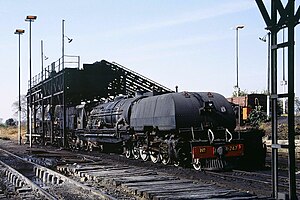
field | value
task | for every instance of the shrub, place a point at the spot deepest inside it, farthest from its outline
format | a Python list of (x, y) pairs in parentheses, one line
[(10, 122), (256, 117)]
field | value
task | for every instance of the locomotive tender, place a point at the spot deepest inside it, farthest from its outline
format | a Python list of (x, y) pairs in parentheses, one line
[(174, 128)]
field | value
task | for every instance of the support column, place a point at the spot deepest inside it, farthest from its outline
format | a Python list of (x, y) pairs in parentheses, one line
[(291, 98)]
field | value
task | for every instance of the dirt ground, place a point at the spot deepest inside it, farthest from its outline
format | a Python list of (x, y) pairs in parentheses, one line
[(11, 132)]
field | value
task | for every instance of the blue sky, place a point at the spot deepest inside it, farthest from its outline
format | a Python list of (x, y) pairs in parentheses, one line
[(189, 43)]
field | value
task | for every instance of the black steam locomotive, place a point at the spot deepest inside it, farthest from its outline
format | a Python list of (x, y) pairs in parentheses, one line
[(175, 128)]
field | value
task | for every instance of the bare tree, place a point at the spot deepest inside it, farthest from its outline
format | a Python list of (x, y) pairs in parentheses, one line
[(297, 105), (241, 93), (10, 122), (15, 107)]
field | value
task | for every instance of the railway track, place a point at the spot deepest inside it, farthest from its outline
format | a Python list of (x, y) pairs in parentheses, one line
[(118, 179), (28, 180), (123, 178), (267, 179), (146, 183), (257, 179), (282, 161)]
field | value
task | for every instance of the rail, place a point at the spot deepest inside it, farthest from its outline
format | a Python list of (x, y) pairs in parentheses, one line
[(19, 177), (48, 178)]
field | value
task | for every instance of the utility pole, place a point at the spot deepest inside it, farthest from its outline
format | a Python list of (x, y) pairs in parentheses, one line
[(30, 19), (19, 32)]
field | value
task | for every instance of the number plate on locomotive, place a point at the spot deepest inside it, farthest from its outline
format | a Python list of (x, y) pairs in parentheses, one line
[(203, 152), (234, 150)]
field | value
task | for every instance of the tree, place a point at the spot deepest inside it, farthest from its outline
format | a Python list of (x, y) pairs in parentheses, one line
[(297, 105), (241, 93), (261, 92), (15, 107), (1, 122), (10, 122), (256, 117)]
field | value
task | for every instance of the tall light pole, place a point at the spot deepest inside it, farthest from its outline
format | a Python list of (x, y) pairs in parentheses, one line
[(237, 71), (63, 67), (237, 55), (30, 18), (63, 43), (42, 59), (19, 32), (264, 39)]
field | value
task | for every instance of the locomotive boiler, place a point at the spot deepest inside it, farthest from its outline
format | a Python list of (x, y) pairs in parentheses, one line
[(175, 128)]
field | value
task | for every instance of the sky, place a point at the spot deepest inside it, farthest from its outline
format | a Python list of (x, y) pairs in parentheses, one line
[(186, 43)]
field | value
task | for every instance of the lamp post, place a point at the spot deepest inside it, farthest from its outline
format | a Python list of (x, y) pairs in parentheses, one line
[(63, 43), (30, 18), (237, 71), (264, 39), (63, 67), (237, 56), (19, 32), (42, 60)]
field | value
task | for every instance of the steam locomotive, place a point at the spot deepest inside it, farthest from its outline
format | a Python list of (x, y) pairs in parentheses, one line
[(174, 128)]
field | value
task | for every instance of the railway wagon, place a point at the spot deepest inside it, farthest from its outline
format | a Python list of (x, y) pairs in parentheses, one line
[(175, 128), (249, 102)]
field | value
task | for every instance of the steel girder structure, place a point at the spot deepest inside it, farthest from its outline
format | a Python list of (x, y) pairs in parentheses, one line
[(44, 97), (282, 17)]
